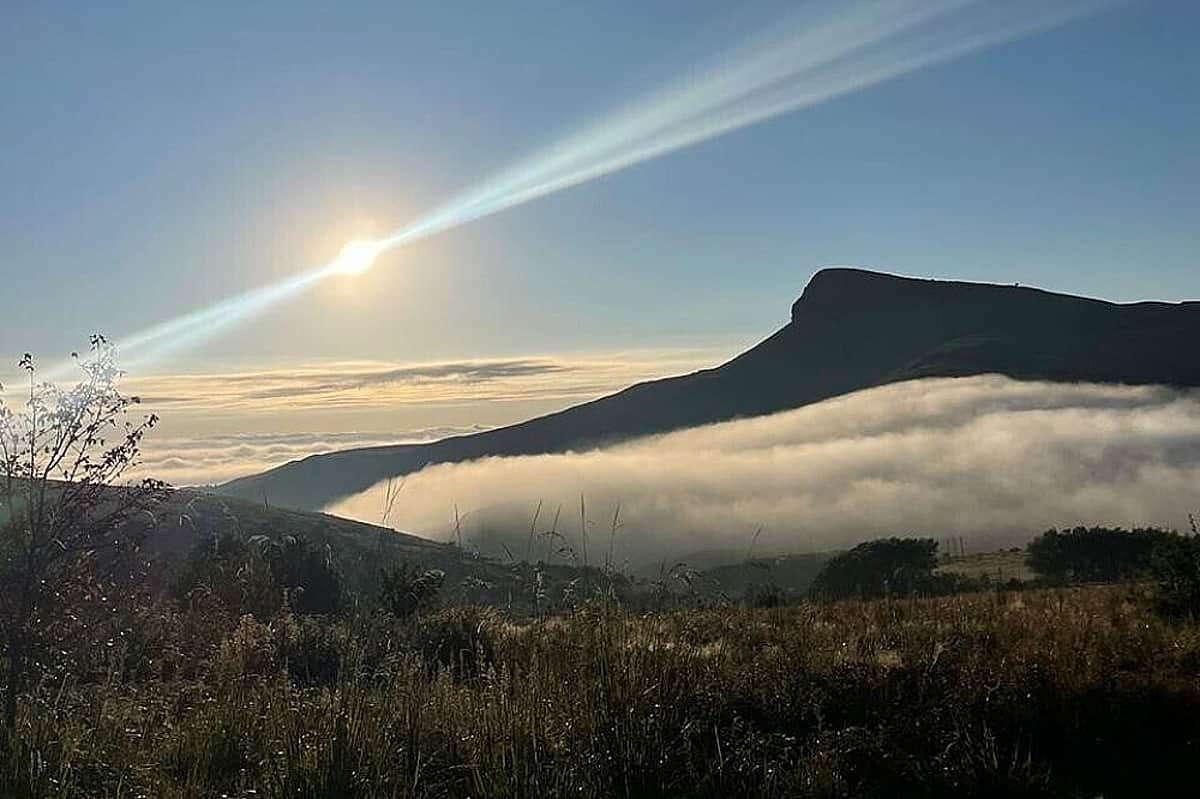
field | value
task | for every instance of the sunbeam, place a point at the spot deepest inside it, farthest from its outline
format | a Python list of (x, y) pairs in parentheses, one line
[(828, 50)]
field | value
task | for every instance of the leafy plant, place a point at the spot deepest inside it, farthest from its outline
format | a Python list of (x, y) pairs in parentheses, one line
[(1175, 569), (1097, 554), (406, 589), (884, 567)]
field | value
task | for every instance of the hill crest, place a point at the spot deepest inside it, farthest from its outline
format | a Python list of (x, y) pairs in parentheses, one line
[(850, 329)]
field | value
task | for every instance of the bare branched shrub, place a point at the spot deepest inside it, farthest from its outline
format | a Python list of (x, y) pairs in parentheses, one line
[(65, 535)]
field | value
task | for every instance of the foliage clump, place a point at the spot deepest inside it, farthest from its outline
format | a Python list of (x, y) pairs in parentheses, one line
[(884, 567), (260, 575), (460, 640), (406, 589), (1097, 554), (1175, 568)]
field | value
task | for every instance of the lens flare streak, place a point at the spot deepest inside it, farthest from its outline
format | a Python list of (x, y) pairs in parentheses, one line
[(829, 50)]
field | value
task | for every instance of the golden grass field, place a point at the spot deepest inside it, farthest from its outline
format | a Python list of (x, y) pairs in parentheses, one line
[(1066, 692)]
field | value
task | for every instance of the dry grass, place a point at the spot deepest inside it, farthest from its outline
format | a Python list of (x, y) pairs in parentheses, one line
[(998, 567), (1041, 693)]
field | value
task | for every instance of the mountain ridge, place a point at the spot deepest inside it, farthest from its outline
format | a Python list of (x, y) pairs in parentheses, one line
[(850, 329)]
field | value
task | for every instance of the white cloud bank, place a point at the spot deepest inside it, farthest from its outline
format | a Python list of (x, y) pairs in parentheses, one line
[(988, 458)]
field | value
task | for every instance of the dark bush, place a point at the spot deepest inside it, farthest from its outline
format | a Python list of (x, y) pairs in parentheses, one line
[(461, 640), (307, 574), (1175, 568), (771, 596), (259, 575), (1096, 554), (885, 567), (222, 570), (406, 589), (312, 652)]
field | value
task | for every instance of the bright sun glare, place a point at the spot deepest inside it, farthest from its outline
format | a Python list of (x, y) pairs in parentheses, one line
[(356, 257)]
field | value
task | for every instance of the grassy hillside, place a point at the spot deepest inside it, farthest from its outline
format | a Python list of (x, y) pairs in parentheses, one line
[(783, 576), (359, 553), (186, 514), (1005, 566)]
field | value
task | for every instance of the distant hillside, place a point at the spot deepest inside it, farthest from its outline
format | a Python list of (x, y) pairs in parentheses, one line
[(359, 550), (792, 575), (851, 329), (186, 514)]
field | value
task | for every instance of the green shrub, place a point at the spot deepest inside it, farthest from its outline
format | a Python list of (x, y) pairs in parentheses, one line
[(406, 589), (885, 567), (224, 571), (460, 640), (770, 596), (312, 651), (1175, 568), (308, 575), (261, 575), (1096, 554)]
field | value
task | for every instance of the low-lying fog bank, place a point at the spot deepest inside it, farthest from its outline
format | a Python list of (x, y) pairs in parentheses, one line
[(989, 459)]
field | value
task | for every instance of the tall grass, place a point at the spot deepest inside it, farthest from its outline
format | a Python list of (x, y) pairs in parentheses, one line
[(1050, 693)]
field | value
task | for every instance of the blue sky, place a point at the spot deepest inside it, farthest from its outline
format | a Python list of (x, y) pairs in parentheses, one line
[(160, 157)]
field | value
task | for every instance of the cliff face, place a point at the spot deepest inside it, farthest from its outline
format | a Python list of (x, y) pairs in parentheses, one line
[(850, 329)]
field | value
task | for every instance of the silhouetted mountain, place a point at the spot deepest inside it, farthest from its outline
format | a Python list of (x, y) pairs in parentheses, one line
[(851, 329)]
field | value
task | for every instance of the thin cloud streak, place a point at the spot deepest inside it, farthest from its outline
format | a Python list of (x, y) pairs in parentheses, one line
[(274, 410), (376, 384)]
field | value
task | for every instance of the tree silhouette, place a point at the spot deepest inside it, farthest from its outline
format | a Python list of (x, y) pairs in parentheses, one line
[(885, 567), (1096, 554)]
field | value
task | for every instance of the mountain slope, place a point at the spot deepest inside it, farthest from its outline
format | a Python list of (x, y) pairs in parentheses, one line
[(851, 329), (359, 551)]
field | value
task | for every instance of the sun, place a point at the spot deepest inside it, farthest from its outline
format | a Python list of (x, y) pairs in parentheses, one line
[(356, 257)]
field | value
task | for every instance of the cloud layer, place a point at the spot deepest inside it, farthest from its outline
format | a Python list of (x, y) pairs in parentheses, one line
[(990, 459), (376, 384), (208, 460), (217, 426)]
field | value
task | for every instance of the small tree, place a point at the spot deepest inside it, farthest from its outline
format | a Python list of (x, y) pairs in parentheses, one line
[(64, 536), (885, 567)]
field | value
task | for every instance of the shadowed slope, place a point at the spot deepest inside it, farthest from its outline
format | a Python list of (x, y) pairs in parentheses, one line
[(851, 329)]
